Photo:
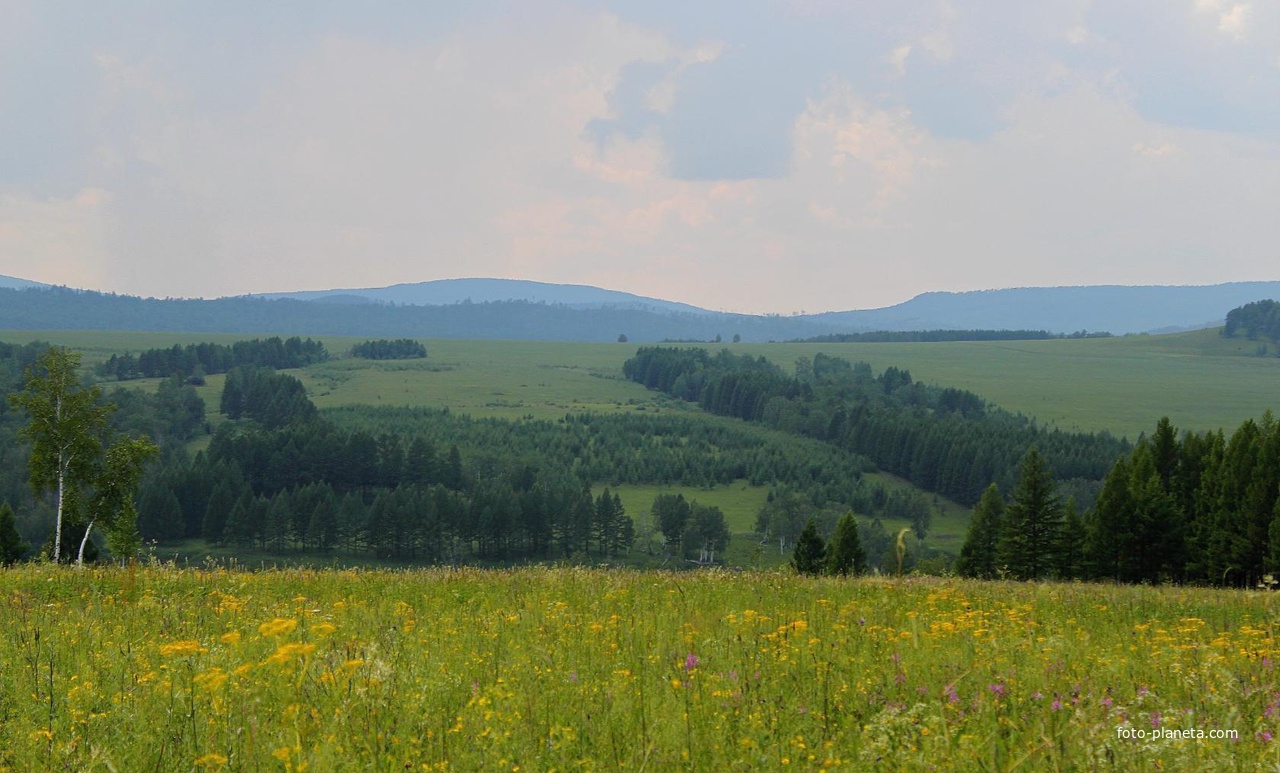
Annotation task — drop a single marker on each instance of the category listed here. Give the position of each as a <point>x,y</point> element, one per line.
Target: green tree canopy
<point>65,430</point>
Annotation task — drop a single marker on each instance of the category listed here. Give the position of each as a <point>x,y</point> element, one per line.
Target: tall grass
<point>548,668</point>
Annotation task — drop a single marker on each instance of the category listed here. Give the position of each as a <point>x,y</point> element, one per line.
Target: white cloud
<point>1233,18</point>
<point>899,59</point>
<point>366,160</point>
<point>864,157</point>
<point>60,241</point>
<point>939,44</point>
<point>1156,151</point>
<point>1233,21</point>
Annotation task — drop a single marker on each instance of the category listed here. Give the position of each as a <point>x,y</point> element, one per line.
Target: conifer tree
<point>219,508</point>
<point>12,548</point>
<point>1273,553</point>
<point>810,553</point>
<point>978,555</point>
<point>844,553</point>
<point>1071,543</point>
<point>1033,523</point>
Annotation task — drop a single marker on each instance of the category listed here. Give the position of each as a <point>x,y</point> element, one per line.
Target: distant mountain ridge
<point>442,292</point>
<point>1116,309</point>
<point>519,309</point>
<point>15,283</point>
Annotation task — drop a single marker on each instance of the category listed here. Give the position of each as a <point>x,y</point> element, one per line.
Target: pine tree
<point>810,552</point>
<point>278,527</point>
<point>1111,525</point>
<point>216,513</point>
<point>322,527</point>
<point>844,553</point>
<point>1033,523</point>
<point>239,528</point>
<point>978,556</point>
<point>12,548</point>
<point>1273,554</point>
<point>1071,543</point>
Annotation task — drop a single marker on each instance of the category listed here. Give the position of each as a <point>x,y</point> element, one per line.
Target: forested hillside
<point>432,485</point>
<point>942,439</point>
<point>63,309</point>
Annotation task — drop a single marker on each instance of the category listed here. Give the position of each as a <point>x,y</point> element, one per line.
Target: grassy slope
<point>558,669</point>
<point>1122,385</point>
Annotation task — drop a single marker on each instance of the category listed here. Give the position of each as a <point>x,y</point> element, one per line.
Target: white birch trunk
<point>57,529</point>
<point>62,482</point>
<point>80,556</point>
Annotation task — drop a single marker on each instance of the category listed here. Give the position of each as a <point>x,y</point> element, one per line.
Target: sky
<point>801,155</point>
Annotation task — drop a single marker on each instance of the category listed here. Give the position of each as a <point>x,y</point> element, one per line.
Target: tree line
<point>509,481</point>
<point>928,336</point>
<point>196,360</point>
<point>944,440</point>
<point>1260,319</point>
<point>1198,508</point>
<point>382,349</point>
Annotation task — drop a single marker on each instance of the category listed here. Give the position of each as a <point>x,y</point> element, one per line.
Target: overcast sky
<point>747,156</point>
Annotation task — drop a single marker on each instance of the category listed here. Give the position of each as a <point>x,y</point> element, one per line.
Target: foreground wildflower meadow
<point>539,669</point>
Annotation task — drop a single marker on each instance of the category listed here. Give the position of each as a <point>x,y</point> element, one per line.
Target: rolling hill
<point>443,292</point>
<point>517,309</point>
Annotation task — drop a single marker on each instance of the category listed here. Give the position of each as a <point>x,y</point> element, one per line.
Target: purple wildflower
<point>691,662</point>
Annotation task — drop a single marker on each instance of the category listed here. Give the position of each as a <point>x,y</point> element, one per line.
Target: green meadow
<point>1121,385</point>
<point>158,668</point>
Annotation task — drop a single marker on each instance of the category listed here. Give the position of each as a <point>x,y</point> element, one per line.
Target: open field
<point>540,669</point>
<point>1122,385</point>
<point>741,502</point>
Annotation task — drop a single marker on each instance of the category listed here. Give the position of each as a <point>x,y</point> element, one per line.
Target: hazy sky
<point>747,156</point>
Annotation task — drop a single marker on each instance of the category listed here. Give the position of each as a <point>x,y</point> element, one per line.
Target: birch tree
<point>115,489</point>
<point>65,431</point>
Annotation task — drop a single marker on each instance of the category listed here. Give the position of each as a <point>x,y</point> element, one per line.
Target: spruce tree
<point>238,529</point>
<point>12,548</point>
<point>1071,543</point>
<point>217,511</point>
<point>844,553</point>
<point>1273,556</point>
<point>1034,522</point>
<point>810,552</point>
<point>978,556</point>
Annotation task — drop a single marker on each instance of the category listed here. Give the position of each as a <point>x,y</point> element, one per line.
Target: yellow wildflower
<point>287,652</point>
<point>181,648</point>
<point>278,627</point>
